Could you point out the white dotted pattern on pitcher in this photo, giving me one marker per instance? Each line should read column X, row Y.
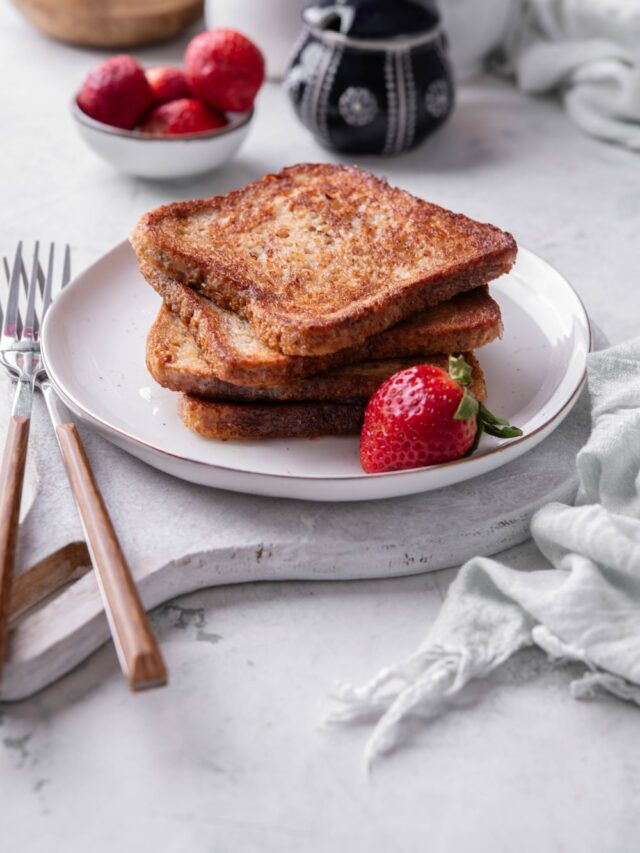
column 358, row 106
column 436, row 98
column 312, row 55
column 310, row 58
column 295, row 78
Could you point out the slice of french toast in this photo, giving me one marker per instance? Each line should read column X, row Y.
column 175, row 362
column 225, row 421
column 227, row 342
column 320, row 257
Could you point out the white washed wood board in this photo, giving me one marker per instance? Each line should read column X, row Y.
column 179, row 537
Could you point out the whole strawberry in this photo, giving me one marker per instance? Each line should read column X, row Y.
column 167, row 83
column 224, row 69
column 425, row 416
column 186, row 115
column 116, row 92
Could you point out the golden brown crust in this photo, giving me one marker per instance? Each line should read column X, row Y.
column 468, row 321
column 175, row 362
column 224, row 421
column 320, row 257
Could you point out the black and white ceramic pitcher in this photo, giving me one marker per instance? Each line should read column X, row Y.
column 371, row 76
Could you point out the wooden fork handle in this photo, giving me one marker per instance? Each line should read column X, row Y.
column 135, row 642
column 11, row 479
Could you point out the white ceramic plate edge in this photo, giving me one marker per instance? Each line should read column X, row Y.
column 366, row 487
column 330, row 488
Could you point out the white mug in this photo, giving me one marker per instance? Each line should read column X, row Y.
column 274, row 25
column 474, row 29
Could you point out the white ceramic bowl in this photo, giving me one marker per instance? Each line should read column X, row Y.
column 162, row 157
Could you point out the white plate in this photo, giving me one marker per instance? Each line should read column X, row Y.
column 93, row 345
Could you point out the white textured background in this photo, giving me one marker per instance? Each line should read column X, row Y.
column 229, row 757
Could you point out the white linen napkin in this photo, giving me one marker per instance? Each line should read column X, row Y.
column 589, row 50
column 586, row 608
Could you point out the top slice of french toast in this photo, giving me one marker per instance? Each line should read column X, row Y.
column 320, row 257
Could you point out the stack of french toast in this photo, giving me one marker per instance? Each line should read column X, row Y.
column 287, row 303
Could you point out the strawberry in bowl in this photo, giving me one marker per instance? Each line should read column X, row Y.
column 186, row 115
column 425, row 416
column 116, row 93
column 167, row 83
column 166, row 122
column 224, row 69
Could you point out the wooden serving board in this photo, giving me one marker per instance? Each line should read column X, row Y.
column 179, row 538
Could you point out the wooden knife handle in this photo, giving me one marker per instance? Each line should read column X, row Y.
column 140, row 657
column 11, row 479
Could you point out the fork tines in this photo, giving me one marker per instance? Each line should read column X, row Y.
column 22, row 308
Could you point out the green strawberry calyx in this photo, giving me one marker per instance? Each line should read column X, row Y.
column 460, row 371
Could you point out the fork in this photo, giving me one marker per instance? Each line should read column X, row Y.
column 18, row 355
column 136, row 646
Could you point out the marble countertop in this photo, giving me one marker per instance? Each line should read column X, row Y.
column 231, row 757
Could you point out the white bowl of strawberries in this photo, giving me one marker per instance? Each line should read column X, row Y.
column 168, row 122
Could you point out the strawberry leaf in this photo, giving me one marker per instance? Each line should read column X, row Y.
column 490, row 418
column 496, row 426
column 467, row 409
column 502, row 432
column 460, row 371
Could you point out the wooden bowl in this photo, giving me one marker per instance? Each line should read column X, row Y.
column 111, row 23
